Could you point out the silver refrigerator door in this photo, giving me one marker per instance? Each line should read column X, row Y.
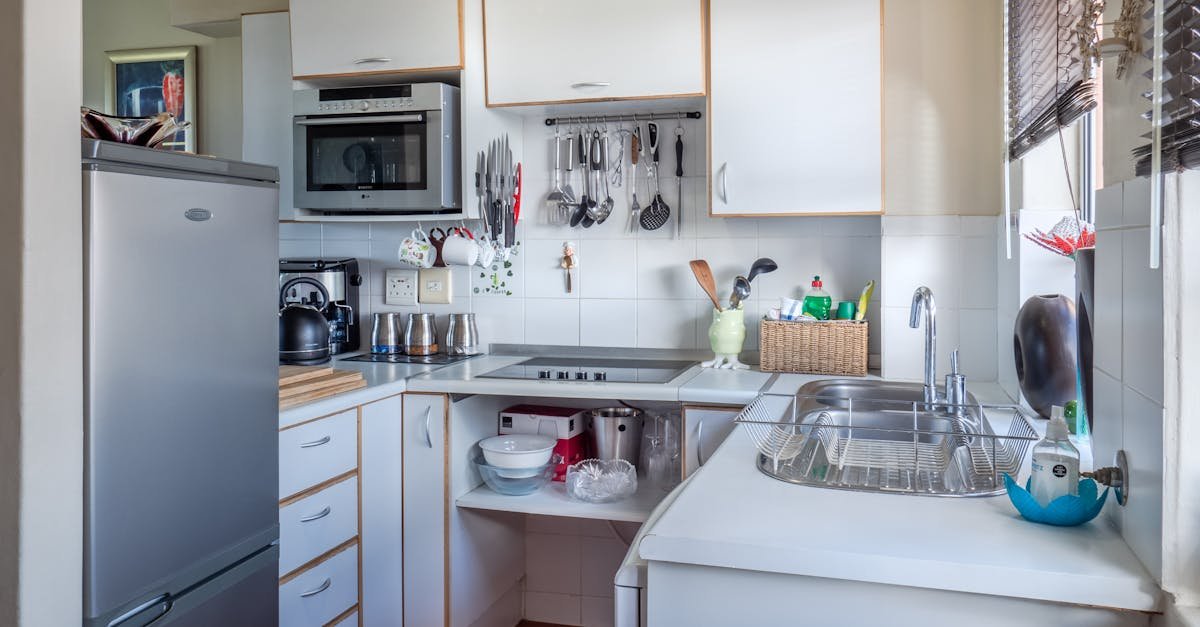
column 182, row 410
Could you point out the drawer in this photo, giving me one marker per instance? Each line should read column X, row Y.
column 321, row 593
column 317, row 523
column 317, row 451
column 351, row 620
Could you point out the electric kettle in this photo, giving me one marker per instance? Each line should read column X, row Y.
column 303, row 329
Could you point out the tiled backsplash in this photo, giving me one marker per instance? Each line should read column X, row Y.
column 636, row 290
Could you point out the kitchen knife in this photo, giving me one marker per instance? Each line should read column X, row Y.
column 679, row 180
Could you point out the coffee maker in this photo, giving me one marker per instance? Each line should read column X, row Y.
column 341, row 280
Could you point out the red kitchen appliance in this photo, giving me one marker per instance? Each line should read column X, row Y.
column 566, row 424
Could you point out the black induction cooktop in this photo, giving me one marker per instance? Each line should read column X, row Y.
column 592, row 369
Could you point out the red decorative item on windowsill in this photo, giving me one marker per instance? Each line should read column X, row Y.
column 1068, row 236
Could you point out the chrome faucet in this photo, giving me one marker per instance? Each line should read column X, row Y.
column 923, row 300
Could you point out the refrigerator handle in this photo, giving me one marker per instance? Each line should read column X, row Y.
column 164, row 599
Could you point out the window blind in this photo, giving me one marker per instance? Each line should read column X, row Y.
column 1050, row 83
column 1180, row 90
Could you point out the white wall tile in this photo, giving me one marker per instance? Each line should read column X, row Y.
column 552, row 321
column 299, row 248
column 608, row 268
column 1136, row 201
column 503, row 278
column 851, row 226
column 1143, row 443
column 1142, row 317
column 663, row 269
column 728, row 258
column 667, row 324
column 544, row 276
column 604, row 322
column 904, row 347
column 600, row 557
column 561, row 525
column 1107, row 347
column 345, row 230
column 558, row 609
column 345, row 248
column 920, row 225
column 791, row 227
column 978, row 226
column 299, row 230
column 500, row 319
column 978, row 274
column 799, row 260
column 552, row 563
column 1110, row 207
column 849, row 262
column 912, row 262
column 1108, row 418
column 598, row 611
column 977, row 344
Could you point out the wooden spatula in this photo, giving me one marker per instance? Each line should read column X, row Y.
column 704, row 277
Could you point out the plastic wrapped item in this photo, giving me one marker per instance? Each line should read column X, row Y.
column 515, row 481
column 601, row 480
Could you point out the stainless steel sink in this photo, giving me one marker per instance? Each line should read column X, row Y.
column 881, row 436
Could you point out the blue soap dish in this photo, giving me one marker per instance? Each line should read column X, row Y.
column 1064, row 511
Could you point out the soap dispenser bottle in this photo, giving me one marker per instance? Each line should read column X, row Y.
column 818, row 302
column 1055, row 462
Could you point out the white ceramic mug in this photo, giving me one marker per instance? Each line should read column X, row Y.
column 459, row 249
column 416, row 250
column 487, row 252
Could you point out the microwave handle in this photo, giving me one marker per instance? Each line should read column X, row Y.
column 364, row 119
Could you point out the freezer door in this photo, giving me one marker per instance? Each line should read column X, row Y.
column 181, row 415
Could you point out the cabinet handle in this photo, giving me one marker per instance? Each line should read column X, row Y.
column 372, row 60
column 700, row 444
column 725, row 183
column 317, row 516
column 164, row 599
column 590, row 84
column 319, row 589
column 324, row 440
column 428, row 435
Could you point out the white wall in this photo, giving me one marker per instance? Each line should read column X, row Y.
column 41, row 424
column 129, row 24
column 569, row 568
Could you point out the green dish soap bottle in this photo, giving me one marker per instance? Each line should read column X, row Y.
column 817, row 302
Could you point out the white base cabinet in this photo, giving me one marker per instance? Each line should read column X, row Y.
column 382, row 535
column 424, row 509
column 705, row 428
column 541, row 51
column 795, row 107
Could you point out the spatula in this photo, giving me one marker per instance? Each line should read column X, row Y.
column 704, row 277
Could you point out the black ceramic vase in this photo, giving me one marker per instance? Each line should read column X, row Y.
column 1044, row 348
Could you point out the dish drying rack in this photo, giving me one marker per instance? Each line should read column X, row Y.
column 887, row 446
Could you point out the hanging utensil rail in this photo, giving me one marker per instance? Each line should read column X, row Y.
column 624, row 117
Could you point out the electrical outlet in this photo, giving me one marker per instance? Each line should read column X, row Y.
column 434, row 286
column 399, row 287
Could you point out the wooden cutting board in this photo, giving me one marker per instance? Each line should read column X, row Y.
column 316, row 383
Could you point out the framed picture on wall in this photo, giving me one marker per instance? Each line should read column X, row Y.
column 151, row 81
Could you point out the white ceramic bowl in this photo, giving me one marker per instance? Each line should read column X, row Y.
column 518, row 450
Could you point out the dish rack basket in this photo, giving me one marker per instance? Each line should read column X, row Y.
column 889, row 446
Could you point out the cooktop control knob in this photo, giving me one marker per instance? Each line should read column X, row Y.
column 543, row 374
column 581, row 376
column 563, row 375
column 599, row 376
column 364, row 105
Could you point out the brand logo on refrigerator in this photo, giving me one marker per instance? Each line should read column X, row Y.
column 197, row 214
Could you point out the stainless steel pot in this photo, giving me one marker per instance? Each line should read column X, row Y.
column 617, row 433
column 462, row 336
column 420, row 334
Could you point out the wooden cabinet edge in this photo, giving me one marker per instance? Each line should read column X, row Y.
column 397, row 71
column 535, row 103
column 309, row 491
column 343, row 616
column 318, row 560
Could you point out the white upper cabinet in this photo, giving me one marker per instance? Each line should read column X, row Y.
column 795, row 107
column 541, row 51
column 348, row 37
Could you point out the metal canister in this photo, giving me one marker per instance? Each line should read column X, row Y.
column 387, row 335
column 616, row 433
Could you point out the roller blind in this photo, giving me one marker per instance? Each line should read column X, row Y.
column 1181, row 87
column 1050, row 84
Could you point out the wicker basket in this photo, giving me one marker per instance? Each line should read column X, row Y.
column 831, row 347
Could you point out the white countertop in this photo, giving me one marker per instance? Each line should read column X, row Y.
column 733, row 516
column 383, row 380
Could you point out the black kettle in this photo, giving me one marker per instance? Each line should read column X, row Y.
column 303, row 329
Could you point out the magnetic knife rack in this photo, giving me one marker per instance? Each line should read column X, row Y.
column 624, row 117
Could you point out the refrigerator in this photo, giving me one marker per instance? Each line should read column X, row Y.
column 181, row 519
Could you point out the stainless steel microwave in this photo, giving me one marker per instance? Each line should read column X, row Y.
column 383, row 149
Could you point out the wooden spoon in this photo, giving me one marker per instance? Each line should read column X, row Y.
column 704, row 277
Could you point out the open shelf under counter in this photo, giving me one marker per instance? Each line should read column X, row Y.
column 552, row 500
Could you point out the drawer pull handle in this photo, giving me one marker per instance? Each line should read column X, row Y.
column 428, row 435
column 700, row 443
column 317, row 516
column 590, row 84
column 372, row 60
column 319, row 589
column 324, row 440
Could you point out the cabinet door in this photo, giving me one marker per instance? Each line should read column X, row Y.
column 425, row 508
column 267, row 98
column 705, row 428
column 347, row 37
column 795, row 107
column 382, row 533
column 576, row 50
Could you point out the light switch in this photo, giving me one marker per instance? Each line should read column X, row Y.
column 399, row 287
column 434, row 286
